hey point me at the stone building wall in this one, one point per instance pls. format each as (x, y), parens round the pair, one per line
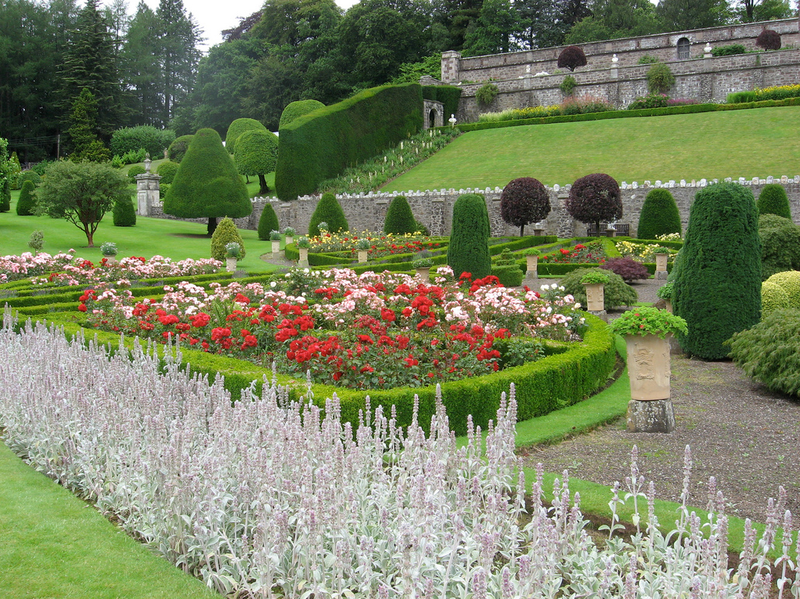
(528, 79)
(366, 212)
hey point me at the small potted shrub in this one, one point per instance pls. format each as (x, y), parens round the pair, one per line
(423, 267)
(233, 251)
(109, 251)
(362, 245)
(275, 238)
(289, 234)
(647, 331)
(532, 262)
(665, 293)
(595, 283)
(323, 228)
(303, 245)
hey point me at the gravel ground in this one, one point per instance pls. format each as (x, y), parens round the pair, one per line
(739, 432)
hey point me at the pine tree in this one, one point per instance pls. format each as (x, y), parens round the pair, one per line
(469, 240)
(140, 69)
(178, 54)
(83, 130)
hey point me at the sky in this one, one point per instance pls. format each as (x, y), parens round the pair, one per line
(213, 16)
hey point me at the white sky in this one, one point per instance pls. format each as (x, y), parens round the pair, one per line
(213, 16)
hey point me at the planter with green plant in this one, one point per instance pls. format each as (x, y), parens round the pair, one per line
(647, 331)
(595, 283)
(303, 245)
(423, 267)
(109, 251)
(233, 252)
(665, 293)
(363, 245)
(532, 263)
(275, 239)
(289, 234)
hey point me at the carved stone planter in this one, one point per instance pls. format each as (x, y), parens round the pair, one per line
(230, 264)
(650, 408)
(276, 247)
(424, 274)
(362, 255)
(532, 266)
(303, 257)
(595, 297)
(289, 239)
(661, 266)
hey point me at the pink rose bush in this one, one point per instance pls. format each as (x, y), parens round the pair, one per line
(367, 331)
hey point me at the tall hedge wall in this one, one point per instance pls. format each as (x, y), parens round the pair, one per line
(449, 95)
(321, 145)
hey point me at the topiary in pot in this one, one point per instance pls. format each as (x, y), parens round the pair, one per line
(659, 216)
(571, 58)
(773, 200)
(399, 218)
(628, 268)
(780, 245)
(268, 221)
(769, 40)
(594, 198)
(469, 239)
(329, 211)
(718, 288)
(26, 204)
(616, 291)
(224, 234)
(124, 213)
(524, 201)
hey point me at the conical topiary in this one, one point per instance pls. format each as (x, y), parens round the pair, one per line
(399, 218)
(773, 200)
(26, 204)
(469, 240)
(328, 211)
(718, 288)
(207, 184)
(124, 214)
(5, 195)
(225, 233)
(267, 222)
(659, 216)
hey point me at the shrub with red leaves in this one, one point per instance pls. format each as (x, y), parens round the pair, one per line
(524, 201)
(571, 58)
(594, 198)
(769, 40)
(628, 268)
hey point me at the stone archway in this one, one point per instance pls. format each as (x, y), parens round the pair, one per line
(433, 114)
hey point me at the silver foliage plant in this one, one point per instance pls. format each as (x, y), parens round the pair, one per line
(270, 499)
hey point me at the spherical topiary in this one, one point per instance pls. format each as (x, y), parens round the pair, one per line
(773, 200)
(224, 234)
(399, 218)
(469, 239)
(571, 58)
(294, 110)
(594, 198)
(267, 222)
(26, 204)
(257, 154)
(789, 281)
(659, 216)
(780, 244)
(628, 268)
(238, 127)
(524, 201)
(615, 293)
(177, 149)
(124, 213)
(136, 169)
(31, 175)
(166, 170)
(769, 40)
(718, 290)
(329, 211)
(773, 297)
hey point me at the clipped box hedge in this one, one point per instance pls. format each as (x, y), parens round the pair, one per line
(322, 144)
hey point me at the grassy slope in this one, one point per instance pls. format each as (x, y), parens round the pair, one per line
(745, 143)
(177, 239)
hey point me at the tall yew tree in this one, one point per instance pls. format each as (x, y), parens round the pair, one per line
(178, 37)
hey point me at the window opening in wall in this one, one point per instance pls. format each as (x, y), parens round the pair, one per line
(431, 118)
(683, 48)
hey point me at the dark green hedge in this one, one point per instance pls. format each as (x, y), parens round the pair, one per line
(448, 95)
(624, 114)
(322, 144)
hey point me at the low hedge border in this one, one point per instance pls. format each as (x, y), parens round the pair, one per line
(553, 382)
(624, 114)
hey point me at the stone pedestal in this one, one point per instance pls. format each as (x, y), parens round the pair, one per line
(661, 267)
(651, 416)
(303, 257)
(595, 297)
(148, 193)
(362, 256)
(230, 264)
(276, 247)
(532, 265)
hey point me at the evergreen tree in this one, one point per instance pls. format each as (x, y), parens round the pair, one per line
(207, 184)
(678, 15)
(124, 214)
(469, 239)
(5, 176)
(329, 211)
(26, 204)
(178, 54)
(90, 63)
(492, 31)
(659, 216)
(718, 288)
(140, 69)
(399, 218)
(773, 200)
(238, 127)
(256, 154)
(83, 130)
(267, 222)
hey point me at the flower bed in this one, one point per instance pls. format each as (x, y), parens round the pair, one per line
(361, 332)
(589, 253)
(380, 244)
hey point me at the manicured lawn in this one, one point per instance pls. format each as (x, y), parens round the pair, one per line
(56, 546)
(178, 240)
(744, 143)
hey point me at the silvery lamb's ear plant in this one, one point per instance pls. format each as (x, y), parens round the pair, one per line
(268, 498)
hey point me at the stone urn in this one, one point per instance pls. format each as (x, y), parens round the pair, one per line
(230, 264)
(303, 256)
(595, 296)
(661, 266)
(423, 273)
